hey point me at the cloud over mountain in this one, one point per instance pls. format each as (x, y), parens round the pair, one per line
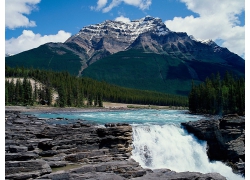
(15, 17)
(122, 19)
(217, 20)
(29, 40)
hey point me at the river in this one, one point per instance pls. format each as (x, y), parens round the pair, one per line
(159, 141)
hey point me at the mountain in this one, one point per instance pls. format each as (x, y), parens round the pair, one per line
(142, 54)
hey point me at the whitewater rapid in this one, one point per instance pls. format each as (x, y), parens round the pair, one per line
(169, 146)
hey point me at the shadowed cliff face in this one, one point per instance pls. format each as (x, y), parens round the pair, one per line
(225, 139)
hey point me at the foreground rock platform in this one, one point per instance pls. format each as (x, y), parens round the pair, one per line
(225, 139)
(35, 149)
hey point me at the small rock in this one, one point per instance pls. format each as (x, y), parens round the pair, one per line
(17, 149)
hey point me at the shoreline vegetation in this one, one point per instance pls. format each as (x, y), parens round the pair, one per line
(106, 107)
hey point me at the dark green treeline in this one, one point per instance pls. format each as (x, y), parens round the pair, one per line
(218, 96)
(78, 92)
(19, 92)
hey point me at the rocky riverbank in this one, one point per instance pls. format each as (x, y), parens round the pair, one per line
(35, 149)
(225, 139)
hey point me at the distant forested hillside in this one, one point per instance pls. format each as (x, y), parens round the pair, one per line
(75, 91)
(156, 72)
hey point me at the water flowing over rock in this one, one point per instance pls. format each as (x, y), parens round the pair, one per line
(35, 149)
(225, 139)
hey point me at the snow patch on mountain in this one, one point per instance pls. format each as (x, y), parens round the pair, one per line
(208, 42)
(131, 29)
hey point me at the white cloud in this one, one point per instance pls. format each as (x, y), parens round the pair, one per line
(217, 20)
(141, 4)
(29, 40)
(113, 4)
(15, 10)
(100, 5)
(123, 19)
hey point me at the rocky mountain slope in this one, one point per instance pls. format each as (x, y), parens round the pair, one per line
(101, 50)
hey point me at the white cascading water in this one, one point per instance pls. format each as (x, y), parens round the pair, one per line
(169, 146)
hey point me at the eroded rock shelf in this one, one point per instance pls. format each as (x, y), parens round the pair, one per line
(35, 149)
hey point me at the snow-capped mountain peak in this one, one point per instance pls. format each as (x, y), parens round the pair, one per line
(130, 29)
(117, 35)
(148, 33)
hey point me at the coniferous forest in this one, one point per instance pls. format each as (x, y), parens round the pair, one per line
(76, 91)
(218, 96)
(214, 96)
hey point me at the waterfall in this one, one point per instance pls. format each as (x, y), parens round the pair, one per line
(169, 146)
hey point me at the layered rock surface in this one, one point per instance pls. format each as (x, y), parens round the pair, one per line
(35, 149)
(225, 139)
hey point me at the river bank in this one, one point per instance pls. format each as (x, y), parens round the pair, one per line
(107, 106)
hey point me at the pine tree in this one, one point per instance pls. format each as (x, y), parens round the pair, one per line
(100, 102)
(28, 92)
(35, 94)
(18, 92)
(6, 93)
(48, 95)
(62, 96)
(90, 100)
(11, 91)
(95, 101)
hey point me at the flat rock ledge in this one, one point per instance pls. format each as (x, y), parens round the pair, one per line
(225, 139)
(35, 149)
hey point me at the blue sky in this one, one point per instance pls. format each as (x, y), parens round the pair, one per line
(30, 23)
